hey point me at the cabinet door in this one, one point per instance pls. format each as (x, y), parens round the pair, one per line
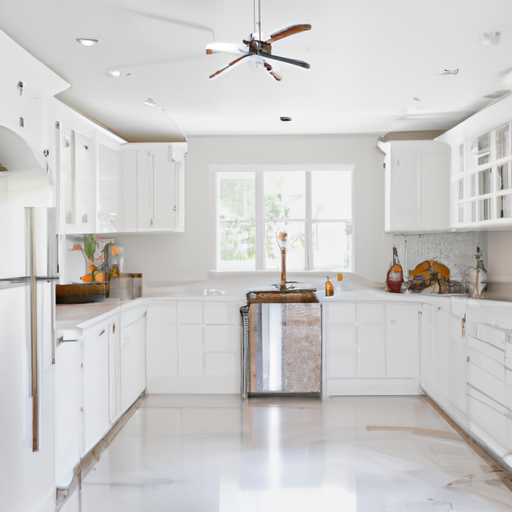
(77, 171)
(108, 190)
(133, 362)
(371, 341)
(114, 372)
(129, 192)
(95, 383)
(156, 194)
(417, 186)
(402, 343)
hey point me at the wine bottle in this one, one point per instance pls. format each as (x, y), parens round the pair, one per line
(395, 276)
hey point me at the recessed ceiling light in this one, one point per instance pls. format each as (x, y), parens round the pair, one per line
(450, 72)
(151, 103)
(491, 37)
(285, 118)
(114, 73)
(87, 42)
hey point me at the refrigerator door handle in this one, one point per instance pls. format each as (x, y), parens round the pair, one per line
(34, 356)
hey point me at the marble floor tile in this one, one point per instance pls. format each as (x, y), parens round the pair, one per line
(349, 454)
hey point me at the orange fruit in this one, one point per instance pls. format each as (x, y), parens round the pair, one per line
(92, 267)
(87, 278)
(99, 277)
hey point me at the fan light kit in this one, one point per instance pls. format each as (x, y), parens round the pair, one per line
(259, 46)
(87, 42)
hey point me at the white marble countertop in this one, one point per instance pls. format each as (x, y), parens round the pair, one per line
(72, 319)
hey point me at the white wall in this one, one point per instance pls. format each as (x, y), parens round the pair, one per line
(189, 256)
(500, 256)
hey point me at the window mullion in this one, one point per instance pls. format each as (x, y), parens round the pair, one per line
(308, 224)
(260, 222)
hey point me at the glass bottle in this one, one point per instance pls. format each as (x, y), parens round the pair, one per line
(329, 289)
(476, 277)
(395, 276)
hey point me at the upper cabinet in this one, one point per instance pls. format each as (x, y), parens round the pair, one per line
(89, 181)
(417, 178)
(106, 186)
(153, 186)
(481, 169)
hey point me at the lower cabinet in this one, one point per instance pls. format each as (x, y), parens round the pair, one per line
(444, 357)
(133, 358)
(127, 360)
(113, 369)
(95, 377)
(489, 368)
(370, 348)
(193, 347)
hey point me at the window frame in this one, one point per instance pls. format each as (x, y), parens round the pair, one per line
(259, 170)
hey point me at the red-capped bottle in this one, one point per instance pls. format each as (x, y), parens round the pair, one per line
(395, 276)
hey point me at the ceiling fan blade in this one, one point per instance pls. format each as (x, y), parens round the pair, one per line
(273, 73)
(288, 31)
(295, 62)
(229, 66)
(175, 21)
(231, 48)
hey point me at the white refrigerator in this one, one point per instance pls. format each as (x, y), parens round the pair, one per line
(27, 356)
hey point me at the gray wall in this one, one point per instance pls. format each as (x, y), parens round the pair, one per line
(189, 256)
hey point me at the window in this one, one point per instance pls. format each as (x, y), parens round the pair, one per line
(313, 205)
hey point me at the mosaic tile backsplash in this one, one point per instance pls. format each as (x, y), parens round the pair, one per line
(455, 250)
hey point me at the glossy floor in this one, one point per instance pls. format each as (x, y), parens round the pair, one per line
(352, 454)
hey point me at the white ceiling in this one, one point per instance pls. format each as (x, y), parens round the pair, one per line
(369, 60)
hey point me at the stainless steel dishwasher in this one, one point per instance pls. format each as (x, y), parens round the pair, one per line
(282, 352)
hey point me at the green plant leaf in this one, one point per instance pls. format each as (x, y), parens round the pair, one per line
(89, 246)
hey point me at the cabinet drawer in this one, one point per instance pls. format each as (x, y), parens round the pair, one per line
(341, 312)
(486, 349)
(162, 313)
(489, 384)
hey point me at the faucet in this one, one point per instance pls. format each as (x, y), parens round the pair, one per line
(281, 242)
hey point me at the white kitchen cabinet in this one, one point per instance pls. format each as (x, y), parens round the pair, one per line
(127, 359)
(444, 357)
(133, 356)
(417, 183)
(77, 181)
(489, 412)
(193, 346)
(153, 186)
(89, 168)
(109, 190)
(481, 168)
(95, 376)
(371, 348)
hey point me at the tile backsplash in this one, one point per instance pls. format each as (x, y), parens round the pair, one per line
(455, 250)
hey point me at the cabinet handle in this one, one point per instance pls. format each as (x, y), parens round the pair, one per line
(113, 328)
(102, 332)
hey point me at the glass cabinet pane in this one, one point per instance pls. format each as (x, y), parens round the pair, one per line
(505, 207)
(461, 158)
(481, 149)
(484, 209)
(484, 182)
(504, 176)
(503, 141)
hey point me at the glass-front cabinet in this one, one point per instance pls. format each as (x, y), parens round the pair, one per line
(481, 181)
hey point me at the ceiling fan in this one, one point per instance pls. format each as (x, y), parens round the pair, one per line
(258, 46)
